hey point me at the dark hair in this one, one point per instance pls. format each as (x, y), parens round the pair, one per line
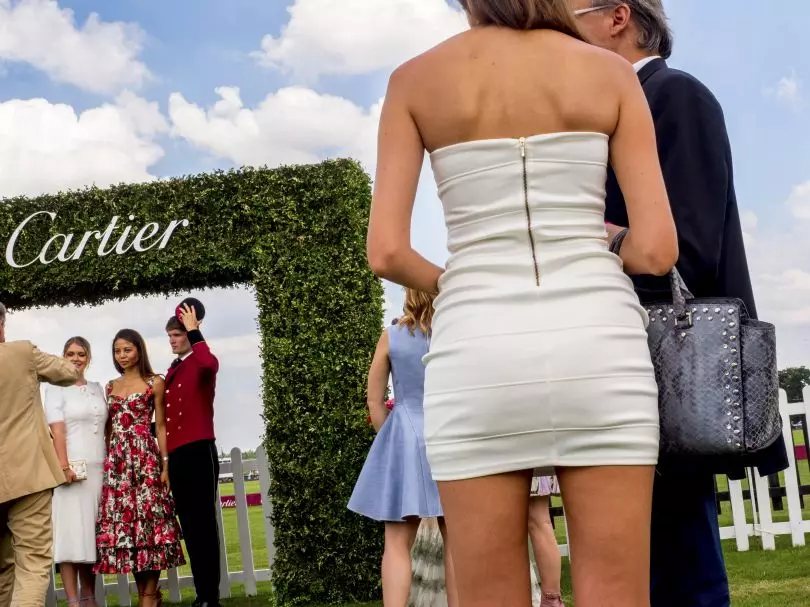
(81, 342)
(524, 15)
(133, 337)
(174, 324)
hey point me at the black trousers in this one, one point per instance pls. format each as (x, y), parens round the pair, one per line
(194, 477)
(688, 569)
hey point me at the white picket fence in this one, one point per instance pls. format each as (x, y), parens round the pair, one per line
(762, 523)
(124, 586)
(759, 524)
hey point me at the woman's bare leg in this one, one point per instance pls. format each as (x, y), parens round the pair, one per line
(487, 521)
(449, 573)
(69, 575)
(608, 514)
(544, 545)
(396, 562)
(149, 581)
(87, 581)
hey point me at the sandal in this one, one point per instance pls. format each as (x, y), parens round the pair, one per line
(157, 596)
(551, 600)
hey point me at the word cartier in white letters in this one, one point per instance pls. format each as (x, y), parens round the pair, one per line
(58, 246)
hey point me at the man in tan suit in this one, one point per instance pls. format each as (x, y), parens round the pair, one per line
(29, 469)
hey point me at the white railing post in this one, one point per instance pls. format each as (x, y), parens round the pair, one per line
(101, 594)
(124, 597)
(174, 585)
(565, 550)
(738, 515)
(243, 523)
(224, 574)
(791, 483)
(50, 598)
(765, 514)
(267, 506)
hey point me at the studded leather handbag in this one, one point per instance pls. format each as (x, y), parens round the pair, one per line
(718, 384)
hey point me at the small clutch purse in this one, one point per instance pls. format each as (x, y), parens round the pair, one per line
(79, 467)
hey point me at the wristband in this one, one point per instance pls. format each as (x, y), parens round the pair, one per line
(616, 245)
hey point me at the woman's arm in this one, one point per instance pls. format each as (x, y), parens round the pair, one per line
(651, 244)
(378, 383)
(55, 414)
(400, 154)
(158, 389)
(59, 431)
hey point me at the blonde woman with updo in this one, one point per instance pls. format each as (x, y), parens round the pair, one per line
(396, 486)
(77, 416)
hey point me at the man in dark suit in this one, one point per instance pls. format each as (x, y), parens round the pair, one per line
(688, 569)
(193, 459)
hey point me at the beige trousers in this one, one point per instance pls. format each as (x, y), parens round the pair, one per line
(26, 544)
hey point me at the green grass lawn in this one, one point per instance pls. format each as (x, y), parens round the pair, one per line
(758, 578)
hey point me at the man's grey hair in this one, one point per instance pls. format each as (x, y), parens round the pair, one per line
(654, 33)
(2, 314)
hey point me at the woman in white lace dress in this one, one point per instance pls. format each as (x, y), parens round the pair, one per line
(77, 416)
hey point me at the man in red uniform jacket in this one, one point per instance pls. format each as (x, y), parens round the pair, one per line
(193, 460)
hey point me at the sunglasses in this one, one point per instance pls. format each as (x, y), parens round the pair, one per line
(585, 11)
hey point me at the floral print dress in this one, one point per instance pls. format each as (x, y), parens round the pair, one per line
(136, 528)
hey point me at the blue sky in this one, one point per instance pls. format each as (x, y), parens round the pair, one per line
(100, 104)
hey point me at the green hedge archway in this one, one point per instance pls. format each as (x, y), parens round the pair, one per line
(298, 235)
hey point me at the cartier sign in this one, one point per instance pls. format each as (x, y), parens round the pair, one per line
(67, 247)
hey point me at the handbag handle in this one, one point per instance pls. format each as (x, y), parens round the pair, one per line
(680, 292)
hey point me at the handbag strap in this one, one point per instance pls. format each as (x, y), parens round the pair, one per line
(680, 292)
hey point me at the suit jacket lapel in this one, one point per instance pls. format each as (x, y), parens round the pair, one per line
(651, 68)
(170, 374)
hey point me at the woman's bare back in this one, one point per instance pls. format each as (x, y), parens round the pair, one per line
(491, 83)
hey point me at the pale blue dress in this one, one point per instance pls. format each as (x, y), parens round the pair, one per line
(396, 482)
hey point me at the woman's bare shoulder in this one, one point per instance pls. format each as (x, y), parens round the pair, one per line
(593, 57)
(414, 69)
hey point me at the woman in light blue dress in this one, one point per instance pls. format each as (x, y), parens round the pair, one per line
(396, 486)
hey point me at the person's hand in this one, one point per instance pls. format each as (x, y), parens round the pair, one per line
(70, 476)
(188, 316)
(164, 478)
(612, 231)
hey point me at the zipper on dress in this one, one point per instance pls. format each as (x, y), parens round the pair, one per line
(522, 142)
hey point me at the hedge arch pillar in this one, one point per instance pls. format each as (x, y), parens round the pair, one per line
(297, 234)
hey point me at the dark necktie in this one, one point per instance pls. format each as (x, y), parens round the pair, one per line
(176, 362)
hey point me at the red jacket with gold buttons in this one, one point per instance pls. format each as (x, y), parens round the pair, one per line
(189, 400)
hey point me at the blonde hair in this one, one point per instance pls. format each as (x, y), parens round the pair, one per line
(418, 310)
(524, 15)
(78, 341)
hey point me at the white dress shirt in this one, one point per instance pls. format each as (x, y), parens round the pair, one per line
(640, 64)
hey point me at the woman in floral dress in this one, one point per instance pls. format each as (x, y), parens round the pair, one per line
(137, 531)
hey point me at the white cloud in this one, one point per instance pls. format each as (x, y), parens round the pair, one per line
(788, 90)
(799, 201)
(294, 125)
(749, 221)
(46, 147)
(99, 56)
(357, 36)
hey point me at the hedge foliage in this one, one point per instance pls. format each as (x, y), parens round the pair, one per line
(297, 233)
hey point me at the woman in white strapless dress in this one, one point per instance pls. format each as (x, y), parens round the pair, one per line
(539, 355)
